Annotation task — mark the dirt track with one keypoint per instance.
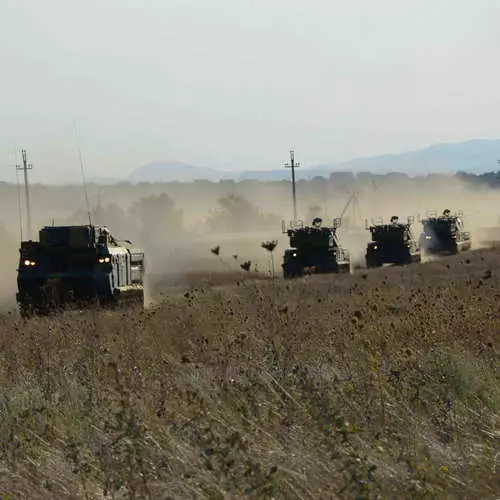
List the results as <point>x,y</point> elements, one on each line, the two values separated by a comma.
<point>160,285</point>
<point>216,272</point>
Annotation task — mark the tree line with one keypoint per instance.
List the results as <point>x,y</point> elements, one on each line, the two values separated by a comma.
<point>148,209</point>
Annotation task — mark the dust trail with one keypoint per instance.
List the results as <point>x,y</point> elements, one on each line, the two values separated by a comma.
<point>176,252</point>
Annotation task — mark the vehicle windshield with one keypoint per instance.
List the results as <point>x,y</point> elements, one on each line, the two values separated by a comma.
<point>66,236</point>
<point>316,238</point>
<point>440,225</point>
<point>390,234</point>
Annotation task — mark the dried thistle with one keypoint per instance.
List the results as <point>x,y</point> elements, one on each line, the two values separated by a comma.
<point>269,245</point>
<point>216,250</point>
<point>246,265</point>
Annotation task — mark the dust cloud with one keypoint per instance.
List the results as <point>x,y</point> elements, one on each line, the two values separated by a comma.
<point>8,266</point>
<point>178,224</point>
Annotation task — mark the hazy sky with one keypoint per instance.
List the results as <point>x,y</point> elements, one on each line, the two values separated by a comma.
<point>237,83</point>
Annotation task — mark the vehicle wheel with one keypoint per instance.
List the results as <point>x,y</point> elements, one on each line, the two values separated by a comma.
<point>25,311</point>
<point>372,263</point>
<point>29,307</point>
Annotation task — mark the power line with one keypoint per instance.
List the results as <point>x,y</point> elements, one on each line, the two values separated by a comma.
<point>25,167</point>
<point>293,166</point>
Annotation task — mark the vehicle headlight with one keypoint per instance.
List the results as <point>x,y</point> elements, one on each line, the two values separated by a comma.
<point>29,263</point>
<point>428,237</point>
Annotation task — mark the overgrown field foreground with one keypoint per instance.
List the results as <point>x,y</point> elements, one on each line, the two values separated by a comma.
<point>383,385</point>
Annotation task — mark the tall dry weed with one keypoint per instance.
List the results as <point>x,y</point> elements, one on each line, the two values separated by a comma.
<point>378,385</point>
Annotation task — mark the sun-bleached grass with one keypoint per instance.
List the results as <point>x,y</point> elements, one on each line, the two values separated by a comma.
<point>384,384</point>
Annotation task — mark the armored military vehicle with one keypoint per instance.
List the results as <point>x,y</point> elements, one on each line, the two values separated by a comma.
<point>444,234</point>
<point>77,264</point>
<point>314,249</point>
<point>392,243</point>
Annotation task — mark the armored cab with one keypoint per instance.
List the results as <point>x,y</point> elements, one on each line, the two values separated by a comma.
<point>444,234</point>
<point>392,243</point>
<point>314,249</point>
<point>77,264</point>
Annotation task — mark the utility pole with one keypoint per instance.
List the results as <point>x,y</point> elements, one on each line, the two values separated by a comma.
<point>293,165</point>
<point>25,167</point>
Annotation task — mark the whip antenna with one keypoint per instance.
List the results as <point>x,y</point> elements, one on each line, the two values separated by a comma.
<point>82,170</point>
<point>19,202</point>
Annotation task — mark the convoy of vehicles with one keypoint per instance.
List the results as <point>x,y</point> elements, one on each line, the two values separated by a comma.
<point>85,264</point>
<point>316,249</point>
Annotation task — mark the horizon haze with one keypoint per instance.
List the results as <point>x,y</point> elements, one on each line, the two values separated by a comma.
<point>235,84</point>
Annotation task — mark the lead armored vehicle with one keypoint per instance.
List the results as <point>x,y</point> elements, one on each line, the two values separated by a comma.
<point>314,249</point>
<point>392,243</point>
<point>77,264</point>
<point>444,234</point>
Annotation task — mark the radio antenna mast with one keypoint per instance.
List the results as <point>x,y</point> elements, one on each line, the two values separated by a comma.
<point>293,165</point>
<point>25,167</point>
<point>82,170</point>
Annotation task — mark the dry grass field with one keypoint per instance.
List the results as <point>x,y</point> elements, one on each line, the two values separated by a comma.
<point>382,384</point>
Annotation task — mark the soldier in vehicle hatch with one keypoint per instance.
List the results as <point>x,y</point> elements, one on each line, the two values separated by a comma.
<point>394,220</point>
<point>105,236</point>
<point>317,221</point>
<point>446,212</point>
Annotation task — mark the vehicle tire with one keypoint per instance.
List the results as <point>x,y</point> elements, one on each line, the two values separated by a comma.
<point>371,262</point>
<point>344,268</point>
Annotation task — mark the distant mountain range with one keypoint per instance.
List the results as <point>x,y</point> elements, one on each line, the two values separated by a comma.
<point>474,156</point>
